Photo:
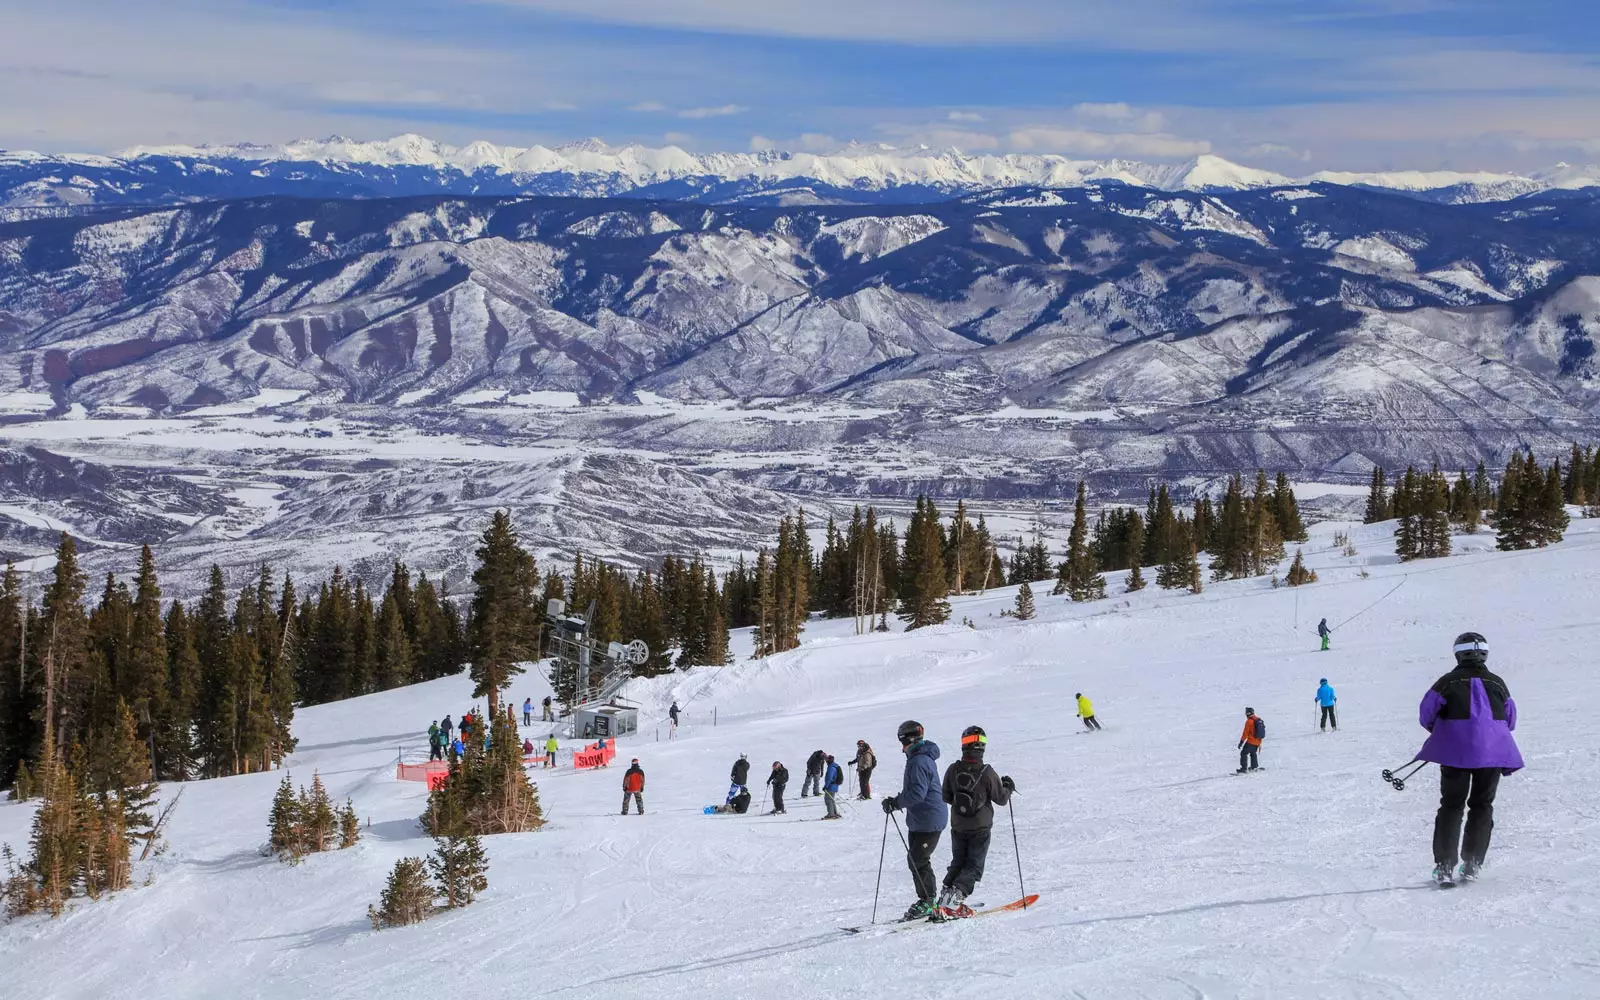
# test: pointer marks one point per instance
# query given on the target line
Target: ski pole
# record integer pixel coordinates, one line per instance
(1018, 851)
(1398, 780)
(878, 886)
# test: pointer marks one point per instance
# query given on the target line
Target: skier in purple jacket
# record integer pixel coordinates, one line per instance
(1470, 715)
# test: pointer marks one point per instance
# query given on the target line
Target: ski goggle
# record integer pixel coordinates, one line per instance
(1475, 646)
(977, 738)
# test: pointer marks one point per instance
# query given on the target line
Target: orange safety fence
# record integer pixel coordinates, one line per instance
(433, 772)
(594, 755)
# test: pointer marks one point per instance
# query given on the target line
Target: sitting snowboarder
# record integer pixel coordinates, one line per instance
(972, 790)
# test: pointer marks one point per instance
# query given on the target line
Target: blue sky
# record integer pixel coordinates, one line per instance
(1294, 86)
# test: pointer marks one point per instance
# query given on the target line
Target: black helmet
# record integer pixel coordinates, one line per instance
(1471, 647)
(1249, 711)
(973, 739)
(909, 732)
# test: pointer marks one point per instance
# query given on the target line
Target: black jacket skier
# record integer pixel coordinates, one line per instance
(972, 789)
(778, 780)
(741, 771)
(813, 783)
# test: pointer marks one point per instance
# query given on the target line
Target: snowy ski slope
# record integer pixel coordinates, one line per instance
(1162, 874)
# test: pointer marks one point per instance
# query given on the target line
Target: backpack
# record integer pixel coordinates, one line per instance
(968, 797)
(1261, 729)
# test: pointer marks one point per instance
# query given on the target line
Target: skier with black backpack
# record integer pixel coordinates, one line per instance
(1250, 742)
(972, 790)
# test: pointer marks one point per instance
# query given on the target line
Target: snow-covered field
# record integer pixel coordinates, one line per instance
(1162, 874)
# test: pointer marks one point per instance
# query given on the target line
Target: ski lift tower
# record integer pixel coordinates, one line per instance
(587, 676)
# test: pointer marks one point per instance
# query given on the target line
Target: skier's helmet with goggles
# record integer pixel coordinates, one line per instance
(1471, 647)
(910, 731)
(973, 739)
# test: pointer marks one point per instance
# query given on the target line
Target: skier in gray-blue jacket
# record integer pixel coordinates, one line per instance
(922, 797)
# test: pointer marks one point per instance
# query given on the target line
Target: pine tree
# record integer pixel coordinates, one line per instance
(57, 845)
(349, 826)
(1231, 539)
(1512, 519)
(923, 583)
(60, 651)
(17, 731)
(1079, 576)
(175, 745)
(1286, 511)
(1135, 540)
(285, 824)
(1408, 532)
(394, 646)
(504, 628)
(459, 868)
(406, 899)
(1024, 608)
(1377, 498)
(317, 816)
(1551, 521)
(1298, 574)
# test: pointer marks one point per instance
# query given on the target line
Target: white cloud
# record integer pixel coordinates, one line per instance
(648, 107)
(677, 138)
(1116, 111)
(720, 111)
(964, 116)
(1084, 142)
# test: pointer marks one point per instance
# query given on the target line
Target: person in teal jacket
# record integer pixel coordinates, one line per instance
(1325, 697)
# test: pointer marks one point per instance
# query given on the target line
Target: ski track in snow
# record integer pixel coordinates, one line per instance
(1160, 876)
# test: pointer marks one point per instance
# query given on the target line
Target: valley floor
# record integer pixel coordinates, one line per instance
(1162, 874)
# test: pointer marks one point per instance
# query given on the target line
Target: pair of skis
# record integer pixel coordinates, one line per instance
(979, 911)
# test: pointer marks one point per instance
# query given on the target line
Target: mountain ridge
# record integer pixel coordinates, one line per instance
(861, 173)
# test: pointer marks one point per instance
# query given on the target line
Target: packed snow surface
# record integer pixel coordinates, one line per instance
(1162, 874)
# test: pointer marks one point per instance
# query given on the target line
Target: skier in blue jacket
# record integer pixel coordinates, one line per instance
(922, 797)
(1326, 699)
(832, 778)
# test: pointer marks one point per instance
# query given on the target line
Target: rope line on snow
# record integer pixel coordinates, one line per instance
(1374, 604)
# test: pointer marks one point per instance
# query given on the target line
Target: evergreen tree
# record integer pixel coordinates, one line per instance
(1298, 574)
(1079, 577)
(1512, 518)
(349, 826)
(60, 651)
(317, 817)
(175, 743)
(1377, 498)
(1162, 537)
(923, 582)
(394, 646)
(285, 824)
(1231, 538)
(1179, 570)
(1286, 511)
(1408, 543)
(459, 868)
(17, 732)
(407, 897)
(1135, 544)
(504, 629)
(1204, 523)
(1024, 609)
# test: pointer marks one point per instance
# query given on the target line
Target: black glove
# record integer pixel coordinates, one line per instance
(1240, 746)
(1007, 783)
(890, 804)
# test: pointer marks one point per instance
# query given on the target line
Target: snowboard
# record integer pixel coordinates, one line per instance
(981, 911)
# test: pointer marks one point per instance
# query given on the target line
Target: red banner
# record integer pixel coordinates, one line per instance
(594, 755)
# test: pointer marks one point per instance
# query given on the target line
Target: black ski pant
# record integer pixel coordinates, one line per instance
(1470, 790)
(1089, 723)
(1329, 717)
(920, 860)
(435, 752)
(968, 850)
(638, 798)
(865, 774)
(1249, 757)
(777, 797)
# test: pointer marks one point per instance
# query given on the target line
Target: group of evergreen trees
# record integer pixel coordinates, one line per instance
(456, 872)
(1527, 508)
(308, 823)
(94, 807)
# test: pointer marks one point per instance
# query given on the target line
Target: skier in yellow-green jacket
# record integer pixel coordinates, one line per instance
(1086, 712)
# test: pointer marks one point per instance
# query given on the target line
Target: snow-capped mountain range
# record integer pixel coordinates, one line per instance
(857, 173)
